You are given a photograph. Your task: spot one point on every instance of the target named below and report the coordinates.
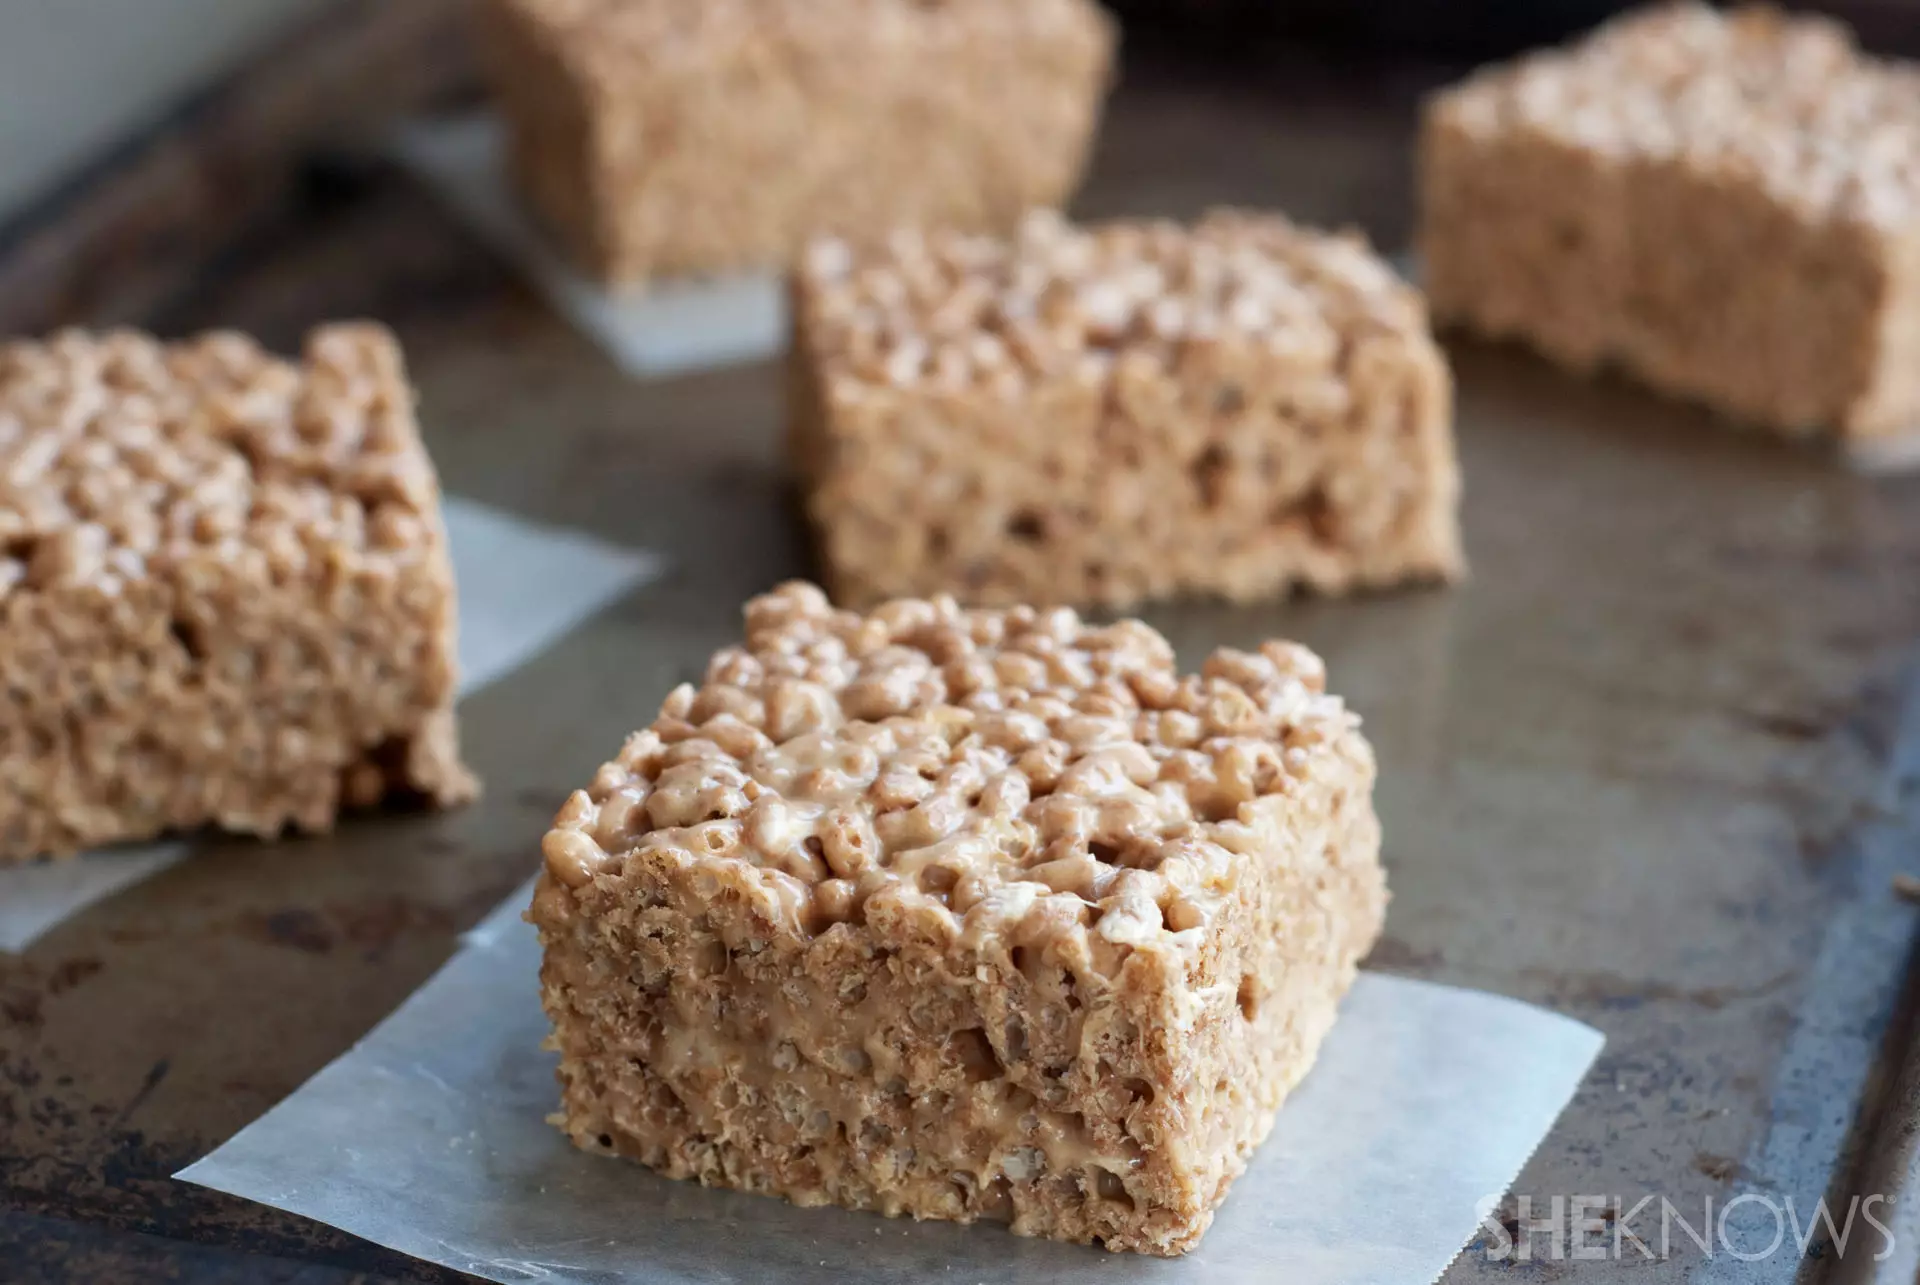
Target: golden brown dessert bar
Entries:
(970, 915)
(1726, 205)
(1121, 413)
(658, 137)
(225, 597)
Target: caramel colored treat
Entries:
(971, 915)
(1104, 416)
(661, 137)
(225, 597)
(1725, 205)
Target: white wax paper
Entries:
(37, 897)
(663, 328)
(522, 587)
(429, 1137)
(1896, 454)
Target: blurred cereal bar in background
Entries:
(1103, 416)
(225, 594)
(661, 138)
(1726, 205)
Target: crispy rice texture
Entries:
(971, 915)
(1100, 416)
(661, 138)
(1724, 204)
(225, 597)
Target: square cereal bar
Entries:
(658, 137)
(225, 597)
(1726, 205)
(1129, 412)
(971, 915)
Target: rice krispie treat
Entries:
(225, 597)
(1129, 412)
(1725, 204)
(972, 915)
(659, 137)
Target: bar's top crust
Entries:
(124, 459)
(1752, 95)
(999, 770)
(953, 312)
(617, 38)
